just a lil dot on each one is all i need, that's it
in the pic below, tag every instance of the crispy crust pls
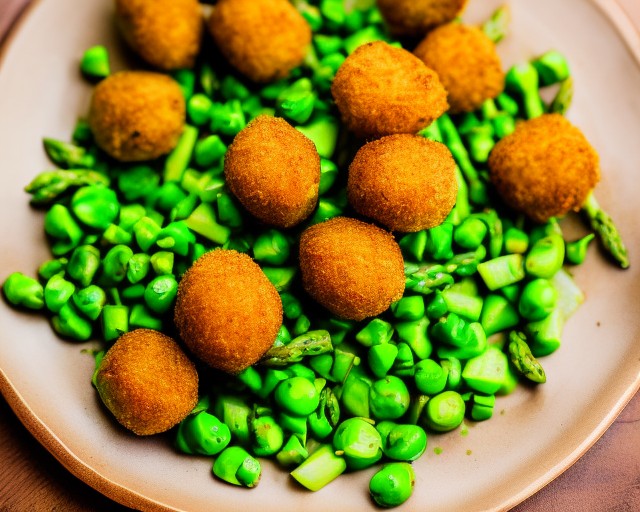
(545, 168)
(414, 18)
(405, 182)
(227, 312)
(137, 115)
(165, 33)
(381, 90)
(352, 268)
(274, 171)
(466, 62)
(264, 40)
(147, 382)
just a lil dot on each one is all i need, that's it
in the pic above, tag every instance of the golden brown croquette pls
(414, 18)
(352, 268)
(165, 33)
(227, 312)
(381, 90)
(545, 168)
(405, 182)
(274, 171)
(137, 115)
(147, 382)
(466, 62)
(263, 40)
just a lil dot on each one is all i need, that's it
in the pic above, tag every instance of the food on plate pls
(352, 268)
(414, 18)
(137, 115)
(227, 312)
(382, 90)
(467, 63)
(274, 171)
(263, 40)
(147, 381)
(165, 33)
(405, 182)
(544, 169)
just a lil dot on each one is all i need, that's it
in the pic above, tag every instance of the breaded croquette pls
(545, 168)
(352, 268)
(405, 182)
(414, 18)
(466, 62)
(227, 312)
(165, 33)
(137, 115)
(381, 90)
(147, 381)
(263, 40)
(274, 171)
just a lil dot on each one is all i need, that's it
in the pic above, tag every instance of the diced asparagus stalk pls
(606, 230)
(311, 343)
(497, 26)
(563, 98)
(523, 360)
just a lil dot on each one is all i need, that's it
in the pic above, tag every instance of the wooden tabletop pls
(606, 478)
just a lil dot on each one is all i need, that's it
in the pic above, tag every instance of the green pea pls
(116, 263)
(546, 256)
(176, 237)
(272, 247)
(268, 436)
(235, 466)
(389, 398)
(430, 377)
(381, 358)
(409, 308)
(52, 267)
(95, 62)
(209, 150)
(62, 227)
(115, 321)
(21, 290)
(57, 292)
(359, 442)
(470, 233)
(138, 267)
(444, 412)
(393, 484)
(95, 206)
(376, 332)
(537, 300)
(146, 232)
(140, 316)
(402, 442)
(90, 301)
(69, 324)
(297, 395)
(160, 293)
(138, 182)
(328, 175)
(199, 109)
(202, 434)
(162, 262)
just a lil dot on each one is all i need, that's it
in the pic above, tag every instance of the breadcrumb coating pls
(274, 171)
(227, 311)
(382, 90)
(147, 382)
(264, 40)
(405, 182)
(165, 33)
(545, 168)
(414, 18)
(352, 268)
(137, 115)
(466, 62)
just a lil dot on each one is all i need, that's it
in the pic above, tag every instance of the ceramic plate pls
(535, 433)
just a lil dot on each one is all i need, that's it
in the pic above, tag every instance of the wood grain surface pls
(606, 478)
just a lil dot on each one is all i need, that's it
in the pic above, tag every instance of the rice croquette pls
(227, 311)
(352, 268)
(274, 171)
(382, 90)
(137, 115)
(147, 382)
(545, 168)
(263, 40)
(414, 18)
(405, 182)
(165, 33)
(467, 63)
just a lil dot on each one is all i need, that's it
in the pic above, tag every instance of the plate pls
(535, 434)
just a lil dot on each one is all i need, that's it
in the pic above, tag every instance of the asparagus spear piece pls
(606, 230)
(49, 185)
(311, 343)
(523, 360)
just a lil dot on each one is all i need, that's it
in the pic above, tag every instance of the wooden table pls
(606, 478)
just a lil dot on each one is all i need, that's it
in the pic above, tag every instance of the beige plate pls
(535, 433)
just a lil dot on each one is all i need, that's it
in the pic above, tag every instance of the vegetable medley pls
(297, 238)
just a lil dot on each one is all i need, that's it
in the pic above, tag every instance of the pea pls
(160, 293)
(297, 395)
(389, 398)
(203, 434)
(359, 441)
(393, 484)
(444, 412)
(96, 206)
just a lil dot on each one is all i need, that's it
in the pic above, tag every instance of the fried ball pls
(545, 168)
(381, 90)
(227, 312)
(147, 382)
(352, 268)
(274, 171)
(137, 115)
(263, 40)
(165, 33)
(414, 18)
(405, 182)
(466, 62)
